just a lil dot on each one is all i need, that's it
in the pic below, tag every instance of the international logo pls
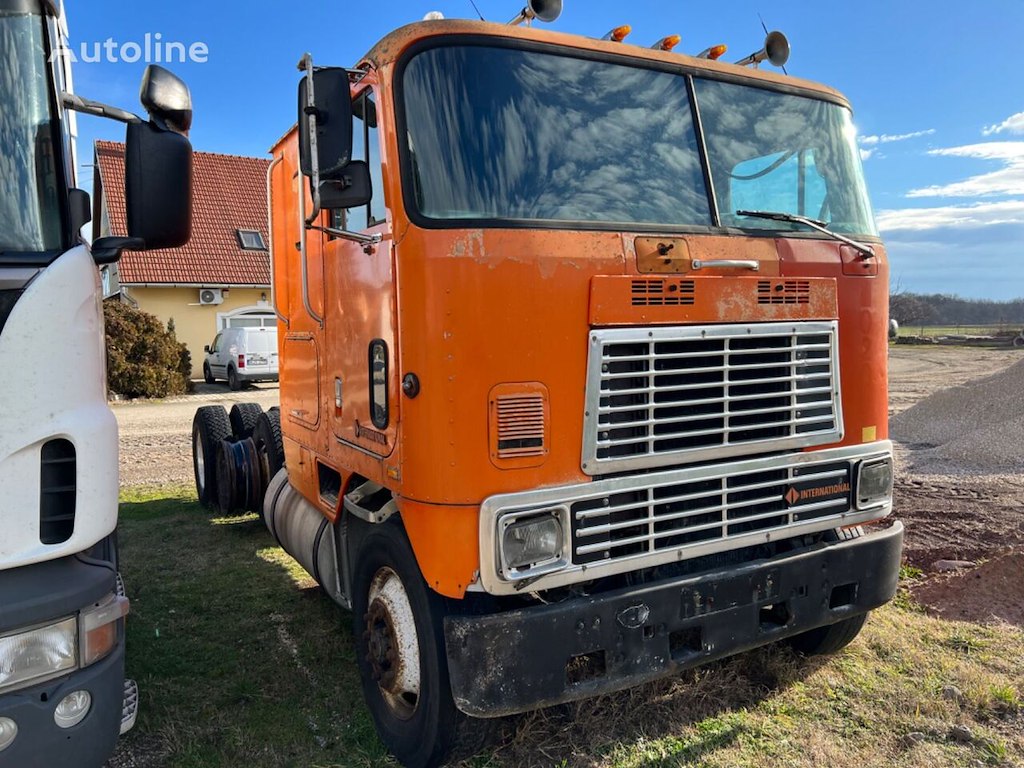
(796, 495)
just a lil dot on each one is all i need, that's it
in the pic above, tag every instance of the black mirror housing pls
(158, 186)
(333, 109)
(166, 98)
(351, 190)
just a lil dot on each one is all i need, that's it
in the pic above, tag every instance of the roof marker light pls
(714, 52)
(667, 43)
(618, 34)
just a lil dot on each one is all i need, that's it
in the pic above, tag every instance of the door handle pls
(727, 263)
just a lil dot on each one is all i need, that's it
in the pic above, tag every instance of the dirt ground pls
(156, 434)
(951, 513)
(973, 517)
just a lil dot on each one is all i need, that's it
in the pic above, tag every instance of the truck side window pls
(366, 146)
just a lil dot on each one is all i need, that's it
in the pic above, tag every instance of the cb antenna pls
(477, 11)
(764, 27)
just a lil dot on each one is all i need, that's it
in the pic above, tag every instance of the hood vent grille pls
(663, 293)
(57, 491)
(783, 292)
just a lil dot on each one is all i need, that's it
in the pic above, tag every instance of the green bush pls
(144, 359)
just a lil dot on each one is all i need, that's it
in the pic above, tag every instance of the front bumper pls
(41, 744)
(528, 658)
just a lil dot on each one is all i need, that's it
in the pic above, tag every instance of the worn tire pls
(269, 444)
(243, 417)
(208, 374)
(830, 638)
(1018, 341)
(233, 381)
(427, 729)
(209, 427)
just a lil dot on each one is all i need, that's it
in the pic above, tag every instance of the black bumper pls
(38, 594)
(524, 659)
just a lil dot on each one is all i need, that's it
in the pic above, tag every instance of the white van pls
(240, 355)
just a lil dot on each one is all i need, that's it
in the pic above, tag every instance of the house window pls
(251, 240)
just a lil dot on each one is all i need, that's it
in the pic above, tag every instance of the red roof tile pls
(230, 193)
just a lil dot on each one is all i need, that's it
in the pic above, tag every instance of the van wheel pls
(233, 381)
(208, 374)
(397, 622)
(243, 418)
(209, 427)
(828, 639)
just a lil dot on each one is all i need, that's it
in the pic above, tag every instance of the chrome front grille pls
(677, 515)
(665, 396)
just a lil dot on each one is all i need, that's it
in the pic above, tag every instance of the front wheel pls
(207, 374)
(830, 638)
(401, 655)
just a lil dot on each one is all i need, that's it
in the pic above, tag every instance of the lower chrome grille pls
(664, 396)
(674, 515)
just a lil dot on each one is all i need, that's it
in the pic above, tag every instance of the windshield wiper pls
(865, 250)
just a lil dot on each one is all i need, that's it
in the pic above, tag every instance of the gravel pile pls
(978, 426)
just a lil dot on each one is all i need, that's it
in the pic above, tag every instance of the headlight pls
(38, 654)
(532, 542)
(874, 482)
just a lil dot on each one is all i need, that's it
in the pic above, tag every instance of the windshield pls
(771, 151)
(30, 215)
(511, 135)
(502, 134)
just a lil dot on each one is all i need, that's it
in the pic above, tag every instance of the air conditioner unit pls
(211, 295)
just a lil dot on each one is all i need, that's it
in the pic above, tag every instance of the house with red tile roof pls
(221, 277)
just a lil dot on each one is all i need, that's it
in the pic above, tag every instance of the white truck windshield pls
(30, 214)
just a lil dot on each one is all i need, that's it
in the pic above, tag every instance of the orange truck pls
(583, 369)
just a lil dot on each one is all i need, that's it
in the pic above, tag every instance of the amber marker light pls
(618, 34)
(667, 43)
(717, 51)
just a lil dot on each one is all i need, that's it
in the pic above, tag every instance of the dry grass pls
(242, 661)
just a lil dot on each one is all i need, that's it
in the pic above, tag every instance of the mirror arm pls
(306, 63)
(368, 240)
(90, 107)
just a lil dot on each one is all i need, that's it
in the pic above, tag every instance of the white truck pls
(64, 698)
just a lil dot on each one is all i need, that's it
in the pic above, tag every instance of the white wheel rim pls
(394, 645)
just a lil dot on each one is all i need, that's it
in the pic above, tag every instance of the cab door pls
(361, 358)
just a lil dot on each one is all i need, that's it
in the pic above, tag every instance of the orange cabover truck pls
(583, 369)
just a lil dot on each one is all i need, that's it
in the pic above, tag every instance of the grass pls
(243, 661)
(956, 330)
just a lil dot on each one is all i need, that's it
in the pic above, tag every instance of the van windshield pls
(30, 214)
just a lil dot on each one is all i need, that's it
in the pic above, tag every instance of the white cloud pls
(1012, 124)
(866, 153)
(970, 216)
(888, 138)
(1008, 180)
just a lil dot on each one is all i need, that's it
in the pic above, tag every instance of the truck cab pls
(583, 368)
(64, 698)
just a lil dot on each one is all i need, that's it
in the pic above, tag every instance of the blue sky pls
(936, 88)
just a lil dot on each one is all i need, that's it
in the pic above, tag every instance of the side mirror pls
(158, 186)
(351, 190)
(166, 98)
(207, 349)
(332, 107)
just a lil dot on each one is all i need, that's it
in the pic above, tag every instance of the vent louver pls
(520, 426)
(662, 293)
(57, 491)
(783, 292)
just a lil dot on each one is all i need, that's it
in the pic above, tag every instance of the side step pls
(129, 706)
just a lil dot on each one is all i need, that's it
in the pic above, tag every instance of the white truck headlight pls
(874, 482)
(533, 542)
(38, 654)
